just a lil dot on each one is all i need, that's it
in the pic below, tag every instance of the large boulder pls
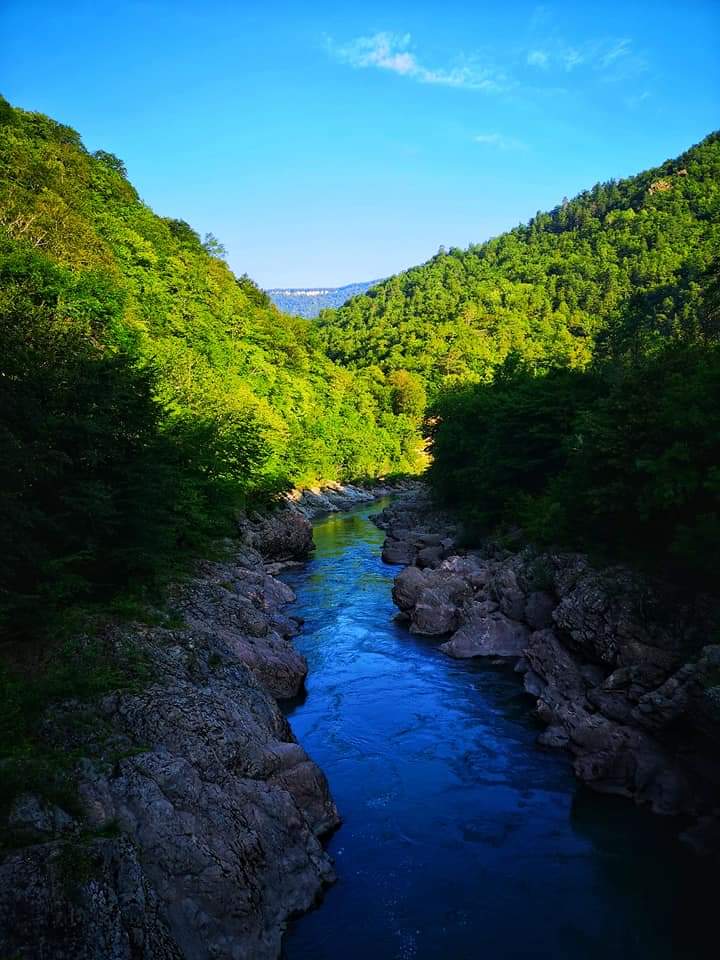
(539, 609)
(407, 587)
(242, 608)
(506, 591)
(487, 633)
(398, 551)
(613, 618)
(438, 605)
(285, 534)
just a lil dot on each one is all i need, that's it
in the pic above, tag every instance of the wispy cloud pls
(612, 58)
(391, 52)
(499, 141)
(572, 58)
(547, 54)
(619, 49)
(636, 100)
(538, 58)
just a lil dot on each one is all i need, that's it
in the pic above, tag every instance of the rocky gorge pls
(196, 826)
(624, 676)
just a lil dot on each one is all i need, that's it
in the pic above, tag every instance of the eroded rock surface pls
(200, 817)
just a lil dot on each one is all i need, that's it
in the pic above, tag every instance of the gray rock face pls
(601, 652)
(398, 551)
(539, 609)
(487, 634)
(437, 603)
(202, 836)
(89, 903)
(281, 535)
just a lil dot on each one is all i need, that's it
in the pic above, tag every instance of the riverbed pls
(462, 839)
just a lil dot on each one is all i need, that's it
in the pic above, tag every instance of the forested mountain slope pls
(620, 266)
(145, 391)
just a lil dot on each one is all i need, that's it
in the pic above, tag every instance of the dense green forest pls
(573, 366)
(617, 268)
(146, 392)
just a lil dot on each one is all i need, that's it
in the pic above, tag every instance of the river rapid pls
(461, 838)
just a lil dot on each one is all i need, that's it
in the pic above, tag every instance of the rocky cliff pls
(624, 676)
(197, 831)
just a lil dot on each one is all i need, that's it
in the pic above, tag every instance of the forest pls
(573, 369)
(147, 393)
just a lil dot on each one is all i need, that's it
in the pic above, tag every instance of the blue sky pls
(330, 142)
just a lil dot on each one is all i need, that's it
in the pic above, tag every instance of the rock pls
(618, 759)
(553, 736)
(485, 634)
(429, 556)
(433, 616)
(240, 607)
(407, 588)
(704, 836)
(282, 535)
(438, 603)
(33, 820)
(87, 901)
(522, 666)
(219, 811)
(427, 539)
(604, 653)
(398, 551)
(612, 704)
(608, 616)
(504, 588)
(539, 610)
(556, 667)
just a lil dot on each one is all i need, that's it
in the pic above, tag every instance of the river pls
(461, 838)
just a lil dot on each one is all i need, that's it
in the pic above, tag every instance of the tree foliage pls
(145, 391)
(573, 366)
(616, 271)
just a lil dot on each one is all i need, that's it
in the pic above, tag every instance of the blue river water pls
(462, 839)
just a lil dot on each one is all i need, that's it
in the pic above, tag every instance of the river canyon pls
(460, 836)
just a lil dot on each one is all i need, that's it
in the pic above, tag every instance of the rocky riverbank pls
(195, 831)
(622, 674)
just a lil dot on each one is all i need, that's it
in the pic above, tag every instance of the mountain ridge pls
(308, 302)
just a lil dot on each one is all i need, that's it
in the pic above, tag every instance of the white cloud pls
(388, 51)
(621, 48)
(500, 141)
(611, 59)
(538, 58)
(572, 58)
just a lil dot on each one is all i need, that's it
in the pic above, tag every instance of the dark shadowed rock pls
(398, 551)
(539, 610)
(407, 588)
(284, 534)
(486, 634)
(429, 556)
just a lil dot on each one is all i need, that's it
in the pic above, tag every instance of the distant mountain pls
(309, 301)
